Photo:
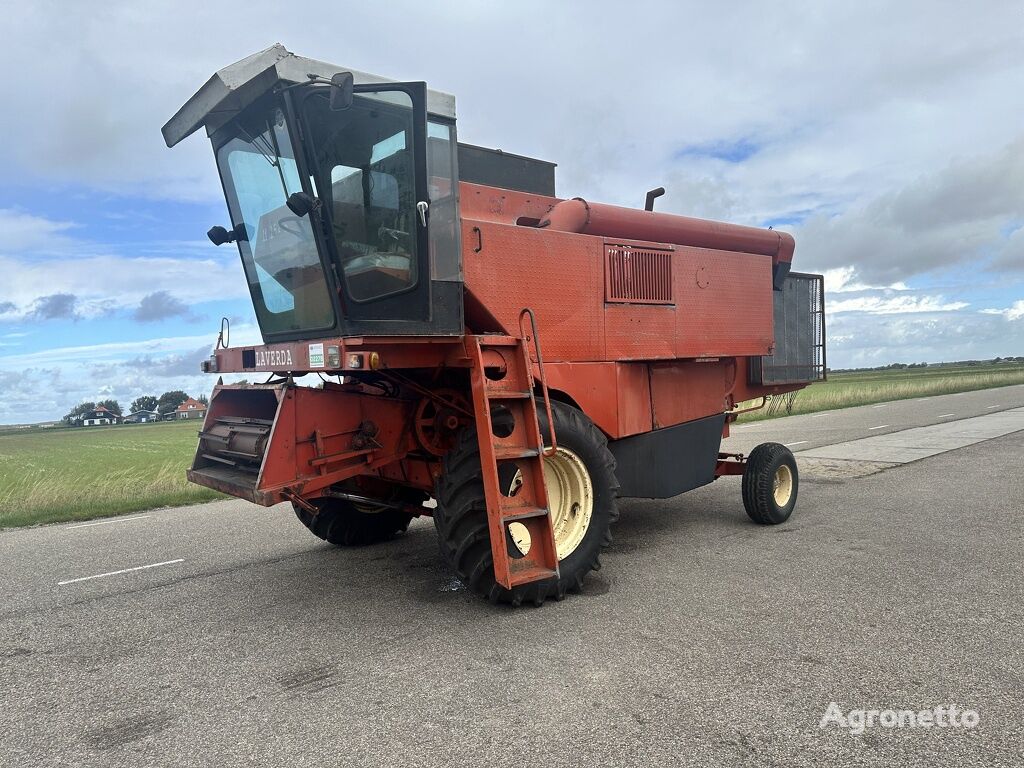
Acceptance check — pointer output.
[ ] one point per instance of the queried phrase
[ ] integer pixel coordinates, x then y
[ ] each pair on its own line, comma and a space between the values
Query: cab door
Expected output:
368, 167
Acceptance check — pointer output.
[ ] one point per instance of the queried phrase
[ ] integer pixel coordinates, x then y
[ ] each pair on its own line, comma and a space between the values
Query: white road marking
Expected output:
816, 415
880, 405
989, 408
923, 399
798, 442
880, 426
944, 415
118, 573
108, 522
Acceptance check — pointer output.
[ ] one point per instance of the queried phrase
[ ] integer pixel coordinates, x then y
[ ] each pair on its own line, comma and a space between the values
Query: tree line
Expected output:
167, 402
903, 366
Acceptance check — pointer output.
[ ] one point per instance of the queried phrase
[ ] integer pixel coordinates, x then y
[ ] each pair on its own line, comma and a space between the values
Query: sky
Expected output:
887, 137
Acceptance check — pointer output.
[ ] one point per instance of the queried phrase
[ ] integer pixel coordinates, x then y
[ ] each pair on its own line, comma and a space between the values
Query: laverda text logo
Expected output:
273, 358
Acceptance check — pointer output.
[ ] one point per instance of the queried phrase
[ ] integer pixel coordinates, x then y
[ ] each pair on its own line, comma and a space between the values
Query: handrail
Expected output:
548, 452
224, 337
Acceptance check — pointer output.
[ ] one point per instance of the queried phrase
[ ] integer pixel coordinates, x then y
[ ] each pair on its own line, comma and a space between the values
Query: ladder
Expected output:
502, 385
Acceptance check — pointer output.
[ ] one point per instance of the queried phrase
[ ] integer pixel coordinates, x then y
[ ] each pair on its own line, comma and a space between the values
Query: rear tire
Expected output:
461, 514
345, 524
770, 484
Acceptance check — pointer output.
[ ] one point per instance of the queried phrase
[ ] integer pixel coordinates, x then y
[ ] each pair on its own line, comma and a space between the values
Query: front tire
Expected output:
582, 491
770, 484
346, 524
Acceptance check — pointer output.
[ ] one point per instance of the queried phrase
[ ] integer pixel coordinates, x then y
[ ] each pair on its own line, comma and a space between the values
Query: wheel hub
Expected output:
783, 485
570, 502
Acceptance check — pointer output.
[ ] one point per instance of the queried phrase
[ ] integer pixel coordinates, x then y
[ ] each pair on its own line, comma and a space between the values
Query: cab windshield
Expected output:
279, 252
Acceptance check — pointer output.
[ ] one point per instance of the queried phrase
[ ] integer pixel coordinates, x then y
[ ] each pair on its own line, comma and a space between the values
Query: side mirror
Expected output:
300, 203
341, 91
220, 235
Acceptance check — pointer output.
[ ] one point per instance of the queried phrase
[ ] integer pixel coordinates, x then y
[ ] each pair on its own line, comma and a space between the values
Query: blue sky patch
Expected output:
736, 151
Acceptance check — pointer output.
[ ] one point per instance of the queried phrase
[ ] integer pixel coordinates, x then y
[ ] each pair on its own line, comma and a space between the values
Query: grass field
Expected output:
50, 475
846, 389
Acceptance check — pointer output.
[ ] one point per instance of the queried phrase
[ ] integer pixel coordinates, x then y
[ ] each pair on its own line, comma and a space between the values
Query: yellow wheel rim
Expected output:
570, 499
783, 485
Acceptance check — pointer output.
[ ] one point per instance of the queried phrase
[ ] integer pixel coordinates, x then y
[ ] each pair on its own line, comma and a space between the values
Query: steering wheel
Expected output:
303, 233
387, 232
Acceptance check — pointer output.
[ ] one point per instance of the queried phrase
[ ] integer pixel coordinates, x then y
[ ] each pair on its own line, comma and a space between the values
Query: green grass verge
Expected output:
52, 475
845, 390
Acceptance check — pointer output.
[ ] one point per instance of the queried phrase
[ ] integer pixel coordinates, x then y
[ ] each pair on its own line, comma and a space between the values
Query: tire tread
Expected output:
758, 483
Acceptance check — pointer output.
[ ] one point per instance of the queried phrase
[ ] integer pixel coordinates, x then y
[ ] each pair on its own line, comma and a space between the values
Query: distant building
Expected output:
97, 417
190, 409
141, 417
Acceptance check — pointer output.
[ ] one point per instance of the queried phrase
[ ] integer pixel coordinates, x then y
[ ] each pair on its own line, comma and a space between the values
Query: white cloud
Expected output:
1010, 257
1016, 312
103, 283
844, 280
950, 217
122, 350
845, 104
21, 231
867, 340
45, 384
894, 305
48, 273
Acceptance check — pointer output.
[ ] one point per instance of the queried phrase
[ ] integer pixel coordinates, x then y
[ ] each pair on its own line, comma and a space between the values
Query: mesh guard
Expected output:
799, 334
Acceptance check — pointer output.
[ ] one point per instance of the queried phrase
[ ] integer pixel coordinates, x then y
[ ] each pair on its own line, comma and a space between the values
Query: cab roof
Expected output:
236, 86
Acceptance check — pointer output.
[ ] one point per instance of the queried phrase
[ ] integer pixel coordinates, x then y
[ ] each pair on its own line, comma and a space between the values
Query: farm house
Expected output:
98, 417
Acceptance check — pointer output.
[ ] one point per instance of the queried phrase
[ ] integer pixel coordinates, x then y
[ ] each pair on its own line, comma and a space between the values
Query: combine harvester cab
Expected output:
412, 278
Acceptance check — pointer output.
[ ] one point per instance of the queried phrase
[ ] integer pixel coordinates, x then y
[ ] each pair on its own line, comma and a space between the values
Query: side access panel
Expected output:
666, 462
669, 301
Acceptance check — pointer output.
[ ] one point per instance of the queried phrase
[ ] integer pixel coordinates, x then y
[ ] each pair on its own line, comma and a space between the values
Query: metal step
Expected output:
504, 453
507, 394
523, 513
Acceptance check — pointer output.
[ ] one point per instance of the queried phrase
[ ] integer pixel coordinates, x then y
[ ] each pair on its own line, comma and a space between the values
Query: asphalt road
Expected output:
704, 640
813, 430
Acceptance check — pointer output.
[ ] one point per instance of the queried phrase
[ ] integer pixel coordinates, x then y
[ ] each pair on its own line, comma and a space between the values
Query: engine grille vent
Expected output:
637, 276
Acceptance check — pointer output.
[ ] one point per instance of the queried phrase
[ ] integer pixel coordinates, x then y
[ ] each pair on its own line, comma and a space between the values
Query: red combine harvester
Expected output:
419, 277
